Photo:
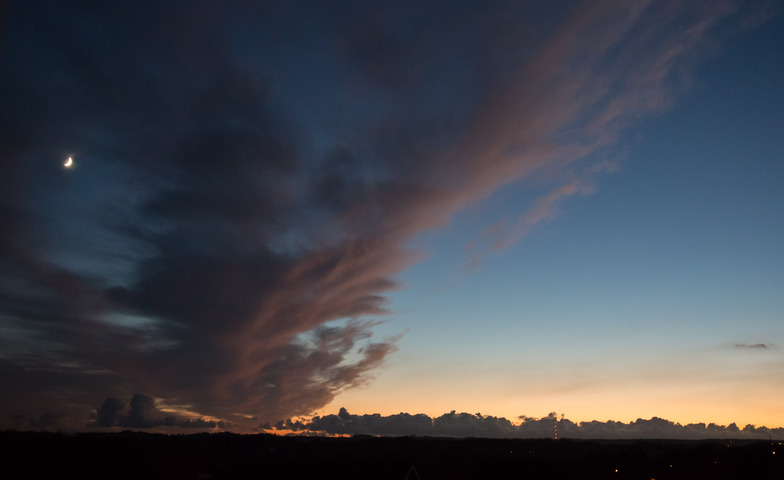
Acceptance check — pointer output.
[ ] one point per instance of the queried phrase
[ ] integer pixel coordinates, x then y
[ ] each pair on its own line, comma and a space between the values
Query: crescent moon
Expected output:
68, 163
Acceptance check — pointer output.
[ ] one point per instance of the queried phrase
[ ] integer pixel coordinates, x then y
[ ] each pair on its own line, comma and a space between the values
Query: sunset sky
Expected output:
277, 209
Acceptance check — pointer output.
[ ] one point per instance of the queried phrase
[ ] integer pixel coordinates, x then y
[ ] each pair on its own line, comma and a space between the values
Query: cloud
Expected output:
499, 237
476, 425
109, 412
251, 176
754, 346
144, 414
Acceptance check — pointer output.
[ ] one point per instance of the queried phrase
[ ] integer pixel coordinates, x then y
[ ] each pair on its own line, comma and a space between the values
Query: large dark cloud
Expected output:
227, 268
248, 178
477, 425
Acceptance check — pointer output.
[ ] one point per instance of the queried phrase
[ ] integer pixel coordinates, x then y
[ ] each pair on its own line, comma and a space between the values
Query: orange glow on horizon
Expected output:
622, 403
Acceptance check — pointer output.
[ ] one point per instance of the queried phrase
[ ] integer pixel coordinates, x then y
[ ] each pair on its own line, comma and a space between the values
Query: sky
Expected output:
278, 210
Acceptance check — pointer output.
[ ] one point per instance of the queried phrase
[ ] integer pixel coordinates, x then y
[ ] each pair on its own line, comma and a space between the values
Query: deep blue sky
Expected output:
647, 287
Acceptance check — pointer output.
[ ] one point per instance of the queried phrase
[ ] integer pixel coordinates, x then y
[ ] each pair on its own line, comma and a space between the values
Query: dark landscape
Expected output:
128, 454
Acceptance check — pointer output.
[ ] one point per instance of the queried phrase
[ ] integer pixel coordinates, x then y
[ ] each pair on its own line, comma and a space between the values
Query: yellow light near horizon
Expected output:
623, 400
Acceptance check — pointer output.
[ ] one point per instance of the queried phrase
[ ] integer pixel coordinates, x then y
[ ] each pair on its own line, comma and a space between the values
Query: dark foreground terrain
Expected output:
27, 455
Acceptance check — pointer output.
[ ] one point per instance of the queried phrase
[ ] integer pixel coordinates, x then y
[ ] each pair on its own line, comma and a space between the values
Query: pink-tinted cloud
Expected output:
499, 237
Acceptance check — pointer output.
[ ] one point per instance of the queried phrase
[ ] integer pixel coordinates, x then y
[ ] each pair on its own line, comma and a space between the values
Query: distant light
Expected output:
68, 162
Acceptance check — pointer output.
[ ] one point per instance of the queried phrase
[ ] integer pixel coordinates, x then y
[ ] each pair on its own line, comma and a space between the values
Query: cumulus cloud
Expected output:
249, 177
477, 425
109, 412
142, 413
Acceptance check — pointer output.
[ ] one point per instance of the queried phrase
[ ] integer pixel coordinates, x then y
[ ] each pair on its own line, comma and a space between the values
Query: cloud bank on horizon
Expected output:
487, 426
247, 179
